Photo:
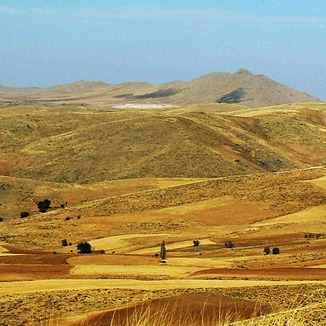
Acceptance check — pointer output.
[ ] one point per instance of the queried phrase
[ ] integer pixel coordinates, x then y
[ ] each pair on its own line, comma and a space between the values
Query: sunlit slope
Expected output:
184, 209
86, 146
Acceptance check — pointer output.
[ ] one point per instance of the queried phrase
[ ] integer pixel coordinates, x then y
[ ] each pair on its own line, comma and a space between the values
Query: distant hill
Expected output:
16, 90
241, 87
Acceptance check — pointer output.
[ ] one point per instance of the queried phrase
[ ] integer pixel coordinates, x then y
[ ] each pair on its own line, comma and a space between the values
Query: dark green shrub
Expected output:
64, 242
84, 248
68, 218
44, 205
24, 214
1, 219
276, 251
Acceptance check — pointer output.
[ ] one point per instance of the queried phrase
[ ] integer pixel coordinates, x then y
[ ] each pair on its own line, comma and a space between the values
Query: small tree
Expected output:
44, 205
163, 252
84, 248
196, 243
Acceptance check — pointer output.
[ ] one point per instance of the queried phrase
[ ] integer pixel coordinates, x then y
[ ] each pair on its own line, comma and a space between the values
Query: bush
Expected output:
1, 219
276, 251
84, 248
229, 244
64, 242
196, 243
44, 205
24, 214
68, 218
267, 250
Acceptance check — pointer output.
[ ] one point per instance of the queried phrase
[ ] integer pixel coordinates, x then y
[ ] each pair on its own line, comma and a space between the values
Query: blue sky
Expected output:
47, 43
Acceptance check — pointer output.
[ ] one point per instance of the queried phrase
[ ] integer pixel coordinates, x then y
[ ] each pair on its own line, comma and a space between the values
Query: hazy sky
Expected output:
50, 42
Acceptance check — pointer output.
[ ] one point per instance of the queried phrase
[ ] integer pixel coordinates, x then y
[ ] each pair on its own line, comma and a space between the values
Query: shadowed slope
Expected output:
191, 309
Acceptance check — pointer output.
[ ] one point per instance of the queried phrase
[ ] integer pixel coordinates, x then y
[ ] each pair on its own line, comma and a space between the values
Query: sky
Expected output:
45, 43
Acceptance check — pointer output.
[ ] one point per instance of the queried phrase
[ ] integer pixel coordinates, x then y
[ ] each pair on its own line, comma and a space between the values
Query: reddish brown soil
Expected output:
201, 308
33, 266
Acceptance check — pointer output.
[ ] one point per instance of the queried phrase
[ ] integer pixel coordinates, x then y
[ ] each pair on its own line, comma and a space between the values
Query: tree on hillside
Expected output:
44, 205
84, 248
163, 252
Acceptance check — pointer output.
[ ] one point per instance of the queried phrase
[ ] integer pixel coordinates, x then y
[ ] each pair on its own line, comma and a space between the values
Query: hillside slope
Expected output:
85, 146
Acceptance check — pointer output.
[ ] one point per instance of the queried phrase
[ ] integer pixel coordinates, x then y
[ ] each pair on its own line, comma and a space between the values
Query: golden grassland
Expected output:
130, 179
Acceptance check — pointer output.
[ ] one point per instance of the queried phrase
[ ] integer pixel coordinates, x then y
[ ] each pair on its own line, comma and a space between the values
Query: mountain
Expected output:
241, 87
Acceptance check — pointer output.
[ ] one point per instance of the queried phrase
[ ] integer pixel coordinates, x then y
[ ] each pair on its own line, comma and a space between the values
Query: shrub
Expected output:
229, 244
24, 214
64, 242
44, 205
196, 243
63, 205
102, 252
84, 248
267, 250
68, 218
276, 251
1, 219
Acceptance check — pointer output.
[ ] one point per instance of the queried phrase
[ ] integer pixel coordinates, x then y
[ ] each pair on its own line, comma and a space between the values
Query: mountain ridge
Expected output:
241, 87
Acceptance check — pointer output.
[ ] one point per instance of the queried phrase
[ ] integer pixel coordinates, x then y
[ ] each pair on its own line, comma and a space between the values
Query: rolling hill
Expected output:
82, 146
124, 180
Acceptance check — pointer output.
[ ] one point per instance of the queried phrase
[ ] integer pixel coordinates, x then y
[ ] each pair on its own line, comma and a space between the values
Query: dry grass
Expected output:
269, 195
171, 313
